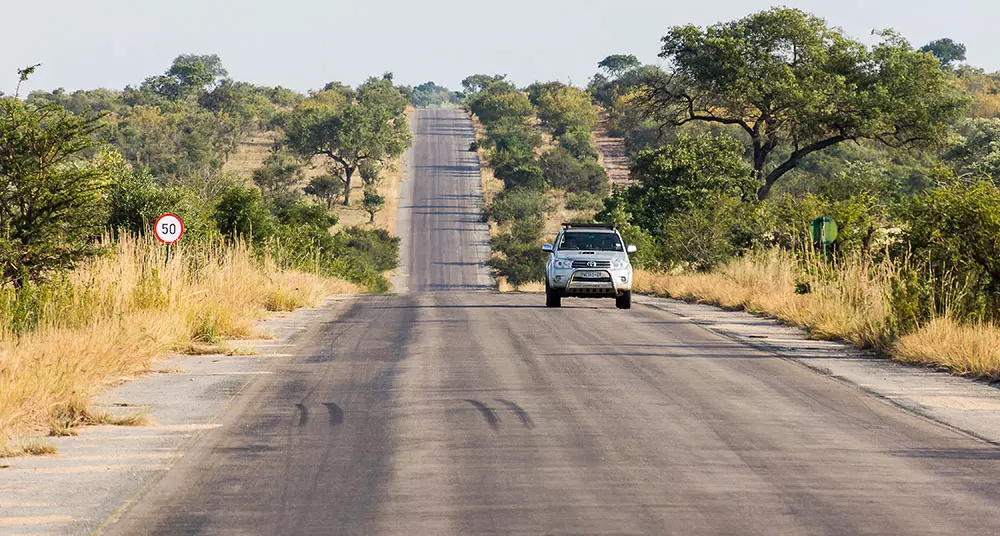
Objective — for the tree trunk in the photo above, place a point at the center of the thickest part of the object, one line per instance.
(348, 173)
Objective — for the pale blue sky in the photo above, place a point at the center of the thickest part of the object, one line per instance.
(303, 44)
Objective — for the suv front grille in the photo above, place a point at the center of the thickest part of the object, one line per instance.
(591, 264)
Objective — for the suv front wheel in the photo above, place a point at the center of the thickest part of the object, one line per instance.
(624, 301)
(552, 298)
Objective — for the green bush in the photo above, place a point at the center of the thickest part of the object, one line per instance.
(702, 238)
(373, 247)
(241, 213)
(567, 108)
(297, 212)
(528, 177)
(498, 103)
(562, 170)
(517, 204)
(583, 201)
(955, 231)
(521, 259)
(579, 143)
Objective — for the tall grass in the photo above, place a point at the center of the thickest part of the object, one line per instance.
(63, 341)
(855, 301)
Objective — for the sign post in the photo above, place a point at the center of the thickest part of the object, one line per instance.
(824, 232)
(168, 229)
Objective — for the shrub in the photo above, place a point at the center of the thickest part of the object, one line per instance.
(522, 259)
(529, 177)
(583, 201)
(375, 247)
(579, 143)
(372, 202)
(956, 230)
(567, 108)
(517, 204)
(499, 102)
(702, 238)
(297, 212)
(562, 170)
(241, 213)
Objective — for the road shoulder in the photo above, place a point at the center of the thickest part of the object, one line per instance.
(100, 472)
(964, 405)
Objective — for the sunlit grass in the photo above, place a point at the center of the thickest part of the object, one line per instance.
(852, 303)
(110, 318)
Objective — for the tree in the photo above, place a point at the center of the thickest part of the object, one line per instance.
(479, 82)
(946, 51)
(431, 94)
(326, 188)
(567, 108)
(189, 74)
(565, 171)
(372, 202)
(976, 156)
(618, 64)
(51, 206)
(280, 172)
(684, 175)
(500, 103)
(349, 132)
(241, 213)
(370, 172)
(788, 80)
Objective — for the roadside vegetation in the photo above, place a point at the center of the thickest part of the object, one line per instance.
(538, 144)
(89, 297)
(751, 130)
(730, 163)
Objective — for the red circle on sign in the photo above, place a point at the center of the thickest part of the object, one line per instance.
(168, 234)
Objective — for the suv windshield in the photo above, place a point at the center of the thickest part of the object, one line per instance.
(590, 241)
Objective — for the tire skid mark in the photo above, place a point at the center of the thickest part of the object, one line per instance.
(336, 414)
(487, 412)
(519, 411)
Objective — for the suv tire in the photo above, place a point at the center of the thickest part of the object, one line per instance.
(552, 298)
(624, 301)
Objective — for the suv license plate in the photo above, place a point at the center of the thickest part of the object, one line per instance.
(592, 275)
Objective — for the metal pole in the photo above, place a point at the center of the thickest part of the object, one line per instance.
(822, 237)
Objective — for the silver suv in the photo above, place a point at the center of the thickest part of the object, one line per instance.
(588, 261)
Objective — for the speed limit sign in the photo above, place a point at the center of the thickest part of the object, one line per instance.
(168, 228)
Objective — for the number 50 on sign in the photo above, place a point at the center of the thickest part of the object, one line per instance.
(168, 228)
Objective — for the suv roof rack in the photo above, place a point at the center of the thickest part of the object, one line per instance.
(610, 226)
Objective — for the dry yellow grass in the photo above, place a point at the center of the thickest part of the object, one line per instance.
(113, 316)
(851, 303)
(250, 154)
(967, 349)
(532, 287)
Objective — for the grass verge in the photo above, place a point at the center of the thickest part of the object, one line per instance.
(852, 303)
(62, 342)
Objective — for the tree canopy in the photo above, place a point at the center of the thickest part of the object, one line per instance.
(189, 74)
(788, 80)
(370, 126)
(618, 64)
(946, 50)
(51, 206)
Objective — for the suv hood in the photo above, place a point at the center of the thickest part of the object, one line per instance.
(590, 256)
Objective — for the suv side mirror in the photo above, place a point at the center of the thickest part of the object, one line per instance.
(630, 249)
(547, 248)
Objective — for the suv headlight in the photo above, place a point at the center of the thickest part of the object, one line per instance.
(563, 264)
(619, 264)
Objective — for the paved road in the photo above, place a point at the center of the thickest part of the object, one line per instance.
(449, 410)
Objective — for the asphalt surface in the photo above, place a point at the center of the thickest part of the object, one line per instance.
(454, 410)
